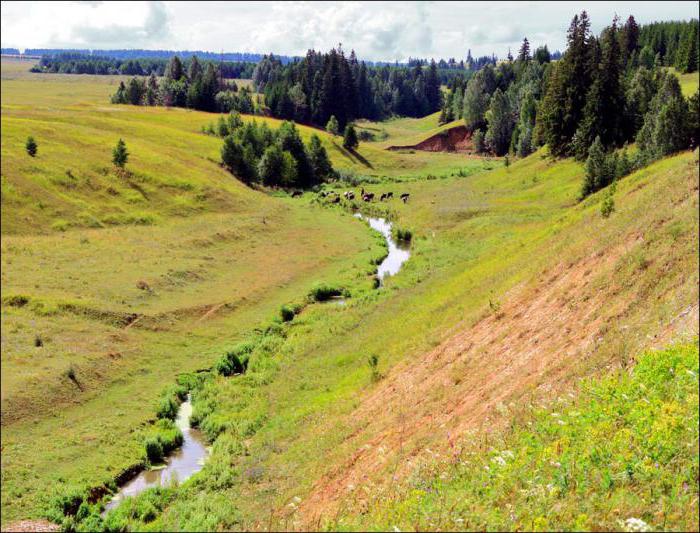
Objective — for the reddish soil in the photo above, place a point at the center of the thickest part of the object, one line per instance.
(457, 139)
(537, 344)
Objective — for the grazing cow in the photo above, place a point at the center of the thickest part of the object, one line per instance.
(368, 197)
(349, 195)
(336, 199)
(390, 194)
(296, 193)
(404, 197)
(323, 194)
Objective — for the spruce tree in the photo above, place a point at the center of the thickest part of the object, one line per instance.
(500, 123)
(318, 157)
(524, 53)
(332, 126)
(31, 146)
(350, 138)
(120, 155)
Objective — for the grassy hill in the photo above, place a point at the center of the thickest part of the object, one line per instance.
(514, 292)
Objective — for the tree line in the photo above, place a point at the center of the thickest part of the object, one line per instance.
(140, 66)
(675, 44)
(603, 93)
(331, 84)
(195, 85)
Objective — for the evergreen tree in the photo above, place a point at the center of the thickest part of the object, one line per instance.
(318, 157)
(135, 91)
(31, 146)
(174, 70)
(500, 123)
(542, 55)
(120, 155)
(596, 169)
(195, 70)
(524, 53)
(694, 120)
(350, 138)
(332, 126)
(476, 98)
(629, 39)
(119, 97)
(478, 141)
(687, 54)
(152, 90)
(432, 88)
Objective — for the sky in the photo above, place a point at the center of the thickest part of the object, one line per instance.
(386, 31)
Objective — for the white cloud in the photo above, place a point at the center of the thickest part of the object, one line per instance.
(376, 30)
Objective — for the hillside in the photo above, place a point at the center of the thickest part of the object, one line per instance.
(119, 286)
(512, 294)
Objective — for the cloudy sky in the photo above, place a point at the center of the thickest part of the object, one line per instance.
(376, 30)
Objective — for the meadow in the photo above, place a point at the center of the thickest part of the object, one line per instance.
(514, 293)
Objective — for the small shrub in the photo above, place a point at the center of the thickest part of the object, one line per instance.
(16, 300)
(120, 155)
(167, 408)
(373, 362)
(402, 234)
(31, 146)
(366, 136)
(323, 292)
(70, 373)
(235, 361)
(289, 311)
(154, 449)
(38, 341)
(607, 206)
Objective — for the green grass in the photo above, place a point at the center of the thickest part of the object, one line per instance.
(292, 418)
(624, 449)
(215, 271)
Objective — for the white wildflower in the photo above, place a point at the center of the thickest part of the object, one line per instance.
(508, 454)
(636, 524)
(396, 528)
(296, 499)
(499, 460)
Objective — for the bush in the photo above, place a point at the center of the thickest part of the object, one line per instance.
(154, 450)
(350, 141)
(235, 361)
(323, 292)
(38, 341)
(607, 207)
(288, 311)
(373, 362)
(402, 234)
(366, 136)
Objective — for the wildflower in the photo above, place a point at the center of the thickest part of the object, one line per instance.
(508, 454)
(636, 524)
(499, 460)
(396, 528)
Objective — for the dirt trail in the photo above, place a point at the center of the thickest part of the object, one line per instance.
(531, 345)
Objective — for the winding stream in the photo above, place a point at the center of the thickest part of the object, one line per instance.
(182, 462)
(399, 252)
(189, 458)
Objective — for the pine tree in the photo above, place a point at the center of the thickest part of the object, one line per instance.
(119, 97)
(318, 157)
(332, 126)
(596, 169)
(524, 53)
(290, 141)
(195, 70)
(120, 155)
(500, 123)
(31, 146)
(478, 141)
(152, 90)
(174, 70)
(350, 141)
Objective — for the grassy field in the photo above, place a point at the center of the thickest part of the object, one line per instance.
(288, 433)
(405, 131)
(511, 284)
(689, 82)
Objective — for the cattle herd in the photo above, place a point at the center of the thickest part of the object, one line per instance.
(366, 196)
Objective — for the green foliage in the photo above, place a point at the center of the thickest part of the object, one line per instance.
(161, 438)
(332, 127)
(479, 142)
(608, 460)
(154, 450)
(289, 311)
(235, 361)
(120, 155)
(607, 206)
(350, 140)
(236, 159)
(318, 157)
(373, 362)
(401, 234)
(323, 291)
(31, 146)
(500, 123)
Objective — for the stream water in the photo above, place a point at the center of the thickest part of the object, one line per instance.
(189, 458)
(186, 460)
(399, 252)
